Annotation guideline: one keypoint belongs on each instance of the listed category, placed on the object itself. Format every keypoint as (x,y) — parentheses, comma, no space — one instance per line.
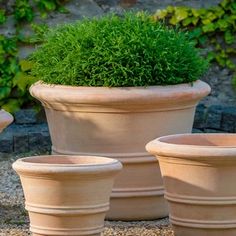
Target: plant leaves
(180,14)
(209,27)
(4,92)
(160,14)
(2,16)
(211,56)
(229,37)
(12,105)
(23,81)
(26,65)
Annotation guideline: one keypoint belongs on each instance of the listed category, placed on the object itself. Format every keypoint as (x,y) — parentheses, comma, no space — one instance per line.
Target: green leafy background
(213,28)
(15,78)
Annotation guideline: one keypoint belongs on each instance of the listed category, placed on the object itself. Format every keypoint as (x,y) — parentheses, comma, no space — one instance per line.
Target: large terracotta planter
(199,172)
(67,195)
(5,119)
(117,123)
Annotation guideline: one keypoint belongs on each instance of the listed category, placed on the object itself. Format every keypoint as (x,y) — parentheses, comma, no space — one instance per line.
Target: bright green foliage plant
(116,51)
(214,28)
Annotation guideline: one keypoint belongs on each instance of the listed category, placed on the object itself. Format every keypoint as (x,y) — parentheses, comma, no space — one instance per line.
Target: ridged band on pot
(117,123)
(5,119)
(199,173)
(67,195)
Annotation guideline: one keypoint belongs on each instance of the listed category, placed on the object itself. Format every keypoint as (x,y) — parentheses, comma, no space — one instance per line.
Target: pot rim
(172,146)
(5,116)
(51,93)
(5,119)
(93,164)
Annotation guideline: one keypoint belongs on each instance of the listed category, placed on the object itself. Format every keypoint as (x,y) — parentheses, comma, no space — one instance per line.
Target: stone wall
(29,132)
(151,5)
(215,119)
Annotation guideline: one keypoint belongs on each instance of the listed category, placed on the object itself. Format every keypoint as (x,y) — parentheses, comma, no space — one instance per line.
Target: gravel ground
(14,219)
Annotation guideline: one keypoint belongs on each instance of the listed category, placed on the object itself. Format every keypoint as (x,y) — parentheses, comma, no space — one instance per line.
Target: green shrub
(112,51)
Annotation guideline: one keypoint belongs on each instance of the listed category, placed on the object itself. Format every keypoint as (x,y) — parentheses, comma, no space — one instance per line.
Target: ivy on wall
(15,79)
(213,28)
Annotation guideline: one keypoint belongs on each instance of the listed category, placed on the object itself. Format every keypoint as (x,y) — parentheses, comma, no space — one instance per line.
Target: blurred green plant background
(213,29)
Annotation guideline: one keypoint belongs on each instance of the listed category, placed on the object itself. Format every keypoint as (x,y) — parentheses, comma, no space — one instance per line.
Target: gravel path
(14,219)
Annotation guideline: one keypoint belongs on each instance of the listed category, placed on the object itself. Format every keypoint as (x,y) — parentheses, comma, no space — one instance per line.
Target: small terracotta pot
(5,119)
(67,195)
(199,173)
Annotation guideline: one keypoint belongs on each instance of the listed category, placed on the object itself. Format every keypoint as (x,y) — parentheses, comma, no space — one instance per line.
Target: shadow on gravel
(13,215)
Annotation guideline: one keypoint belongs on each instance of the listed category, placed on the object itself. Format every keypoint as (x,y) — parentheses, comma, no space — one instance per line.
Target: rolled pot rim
(29,164)
(6,116)
(168,146)
(54,93)
(107,160)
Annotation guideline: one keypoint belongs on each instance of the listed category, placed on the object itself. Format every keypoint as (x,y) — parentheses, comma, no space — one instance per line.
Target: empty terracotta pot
(117,123)
(67,195)
(5,119)
(199,173)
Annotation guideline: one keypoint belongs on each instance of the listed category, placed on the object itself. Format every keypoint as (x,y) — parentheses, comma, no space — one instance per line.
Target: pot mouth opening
(215,140)
(63,160)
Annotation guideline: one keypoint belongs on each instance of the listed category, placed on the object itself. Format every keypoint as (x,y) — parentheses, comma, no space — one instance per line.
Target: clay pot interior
(209,140)
(68,160)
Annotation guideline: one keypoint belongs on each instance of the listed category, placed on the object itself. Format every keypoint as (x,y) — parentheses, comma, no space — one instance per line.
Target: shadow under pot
(199,173)
(67,195)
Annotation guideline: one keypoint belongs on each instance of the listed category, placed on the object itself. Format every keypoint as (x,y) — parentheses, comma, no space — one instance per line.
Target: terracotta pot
(67,195)
(199,172)
(117,123)
(5,119)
